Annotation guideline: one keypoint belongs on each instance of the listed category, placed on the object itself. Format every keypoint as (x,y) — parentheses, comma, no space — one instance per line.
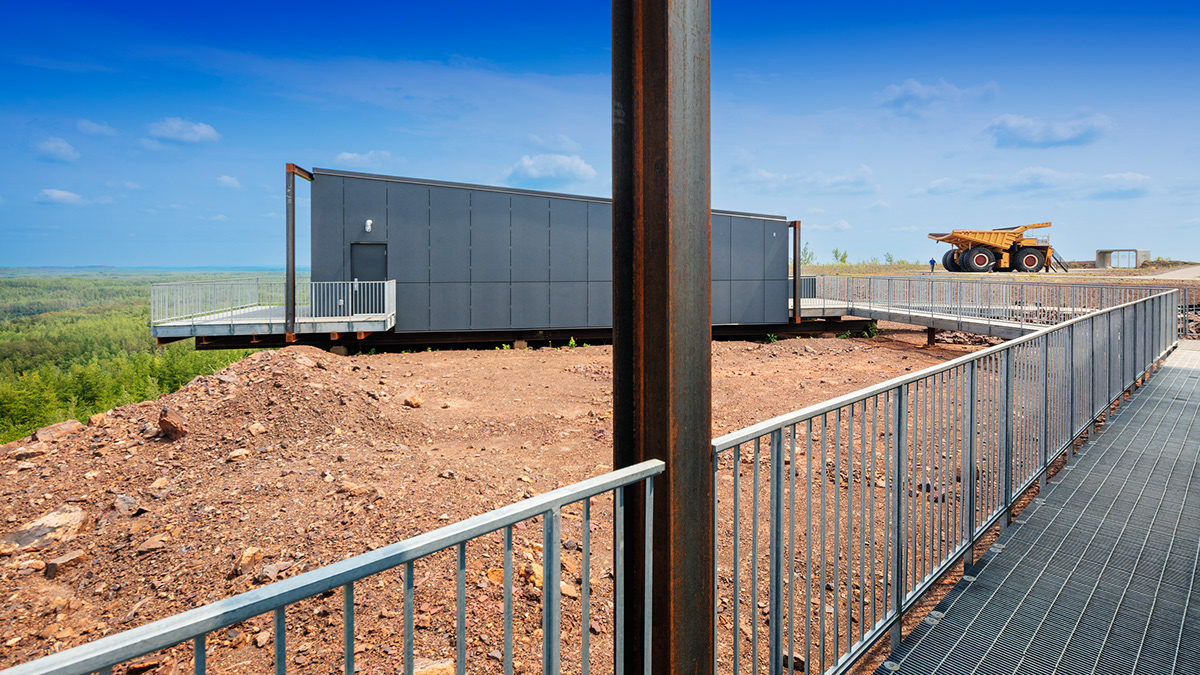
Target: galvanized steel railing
(892,485)
(1001,299)
(981,298)
(100,656)
(215,301)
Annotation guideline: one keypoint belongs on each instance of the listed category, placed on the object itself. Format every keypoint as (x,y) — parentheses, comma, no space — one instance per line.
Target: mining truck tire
(1029,260)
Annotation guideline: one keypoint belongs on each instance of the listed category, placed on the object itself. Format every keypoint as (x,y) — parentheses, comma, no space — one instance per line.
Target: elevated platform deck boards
(269,320)
(1102,574)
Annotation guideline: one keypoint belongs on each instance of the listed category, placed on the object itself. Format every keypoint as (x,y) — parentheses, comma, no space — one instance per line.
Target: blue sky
(157,134)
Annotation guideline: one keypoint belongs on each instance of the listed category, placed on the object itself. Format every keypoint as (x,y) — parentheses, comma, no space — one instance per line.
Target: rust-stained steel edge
(661,322)
(289,292)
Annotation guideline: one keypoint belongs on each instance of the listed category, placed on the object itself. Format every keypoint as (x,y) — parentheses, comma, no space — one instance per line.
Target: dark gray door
(368,262)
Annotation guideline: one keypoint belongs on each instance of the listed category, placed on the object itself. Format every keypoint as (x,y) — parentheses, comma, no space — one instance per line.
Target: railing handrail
(180,301)
(787,419)
(172,630)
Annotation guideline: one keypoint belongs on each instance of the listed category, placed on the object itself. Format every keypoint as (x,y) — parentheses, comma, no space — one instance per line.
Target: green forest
(75,343)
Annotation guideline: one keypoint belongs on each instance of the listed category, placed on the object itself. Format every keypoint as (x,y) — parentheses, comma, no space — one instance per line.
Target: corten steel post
(289,287)
(662,320)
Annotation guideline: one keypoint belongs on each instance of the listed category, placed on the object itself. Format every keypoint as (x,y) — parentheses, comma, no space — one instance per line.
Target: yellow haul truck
(1003,250)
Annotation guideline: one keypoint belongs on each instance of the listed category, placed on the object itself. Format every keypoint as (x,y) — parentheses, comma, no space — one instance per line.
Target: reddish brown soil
(322,433)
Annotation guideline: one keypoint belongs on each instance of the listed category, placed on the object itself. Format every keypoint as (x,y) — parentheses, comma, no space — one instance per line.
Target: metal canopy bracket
(661,323)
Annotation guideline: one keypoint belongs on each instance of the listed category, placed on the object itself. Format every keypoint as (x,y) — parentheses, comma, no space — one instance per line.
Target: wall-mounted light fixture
(368,225)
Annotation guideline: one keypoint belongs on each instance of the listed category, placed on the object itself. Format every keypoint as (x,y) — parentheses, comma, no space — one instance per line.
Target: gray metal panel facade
(600,243)
(449,235)
(720,301)
(481,258)
(746,300)
(569,304)
(600,304)
(491,239)
(775,244)
(328,245)
(746,250)
(530,238)
(490,305)
(412,307)
(568,241)
(449,306)
(408,233)
(720,250)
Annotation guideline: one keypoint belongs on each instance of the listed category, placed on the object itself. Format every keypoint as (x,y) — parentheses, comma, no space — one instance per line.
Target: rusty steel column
(289,286)
(662,321)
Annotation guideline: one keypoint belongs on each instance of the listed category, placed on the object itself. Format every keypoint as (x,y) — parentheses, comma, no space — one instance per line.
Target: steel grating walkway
(1103,574)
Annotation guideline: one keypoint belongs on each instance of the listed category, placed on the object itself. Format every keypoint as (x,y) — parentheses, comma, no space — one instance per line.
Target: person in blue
(932,264)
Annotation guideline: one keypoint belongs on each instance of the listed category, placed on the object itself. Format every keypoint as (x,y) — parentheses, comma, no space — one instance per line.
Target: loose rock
(172,424)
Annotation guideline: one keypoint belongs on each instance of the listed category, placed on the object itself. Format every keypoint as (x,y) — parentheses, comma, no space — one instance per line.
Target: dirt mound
(293,459)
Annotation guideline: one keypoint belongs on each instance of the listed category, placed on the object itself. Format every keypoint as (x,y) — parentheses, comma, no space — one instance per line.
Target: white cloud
(229,182)
(1,200)
(186,131)
(911,98)
(95,128)
(151,144)
(816,211)
(879,205)
(549,170)
(1190,223)
(58,150)
(1128,185)
(272,215)
(1040,181)
(1015,131)
(556,143)
(941,186)
(50,195)
(127,185)
(856,182)
(219,217)
(837,225)
(369,160)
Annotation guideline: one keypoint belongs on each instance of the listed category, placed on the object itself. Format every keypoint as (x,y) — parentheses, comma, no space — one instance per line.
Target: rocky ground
(294,459)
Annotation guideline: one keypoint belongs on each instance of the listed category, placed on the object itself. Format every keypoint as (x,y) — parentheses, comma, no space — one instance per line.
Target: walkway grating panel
(1104,576)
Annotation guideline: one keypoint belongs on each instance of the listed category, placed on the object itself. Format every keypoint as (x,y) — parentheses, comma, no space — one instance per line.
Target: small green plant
(771,337)
(846,336)
(871,331)
(807,257)
(887,258)
(840,257)
(571,343)
(503,346)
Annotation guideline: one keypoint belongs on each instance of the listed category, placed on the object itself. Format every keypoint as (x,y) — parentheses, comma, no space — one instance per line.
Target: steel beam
(661,320)
(289,292)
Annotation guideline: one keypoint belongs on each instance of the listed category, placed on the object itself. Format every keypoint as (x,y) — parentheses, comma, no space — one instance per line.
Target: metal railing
(861,503)
(194,625)
(1001,300)
(254,298)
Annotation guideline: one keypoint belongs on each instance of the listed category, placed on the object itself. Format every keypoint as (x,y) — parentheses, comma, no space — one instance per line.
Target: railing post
(899,486)
(1044,411)
(551,592)
(775,599)
(1071,389)
(1092,410)
(1006,425)
(970,469)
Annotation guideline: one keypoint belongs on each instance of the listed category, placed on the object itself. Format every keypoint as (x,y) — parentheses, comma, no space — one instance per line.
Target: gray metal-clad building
(481,258)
